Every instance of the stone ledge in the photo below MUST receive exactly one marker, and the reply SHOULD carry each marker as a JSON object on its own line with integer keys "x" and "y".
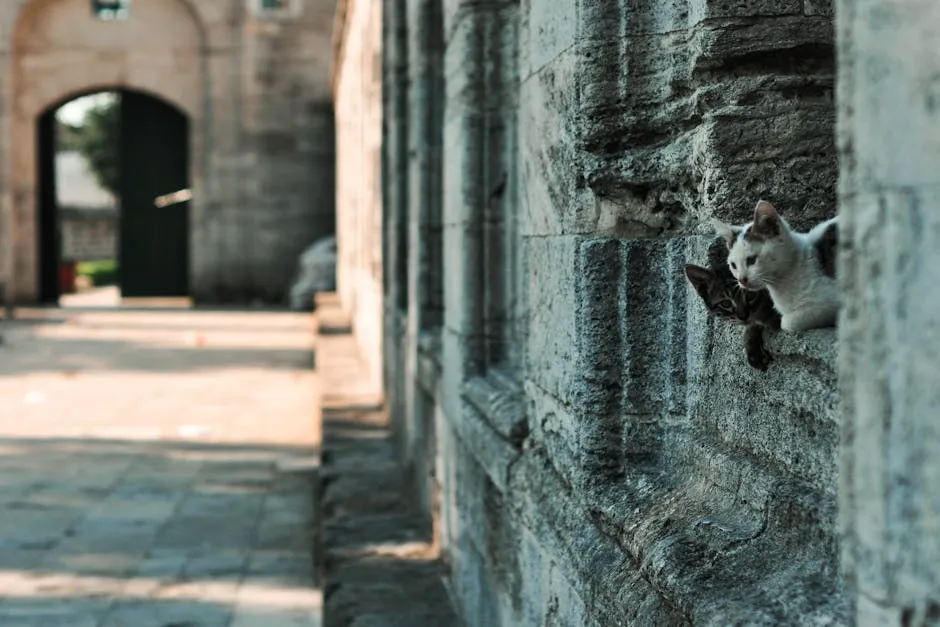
{"x": 500, "y": 400}
{"x": 683, "y": 459}
{"x": 494, "y": 453}
{"x": 693, "y": 554}
{"x": 786, "y": 417}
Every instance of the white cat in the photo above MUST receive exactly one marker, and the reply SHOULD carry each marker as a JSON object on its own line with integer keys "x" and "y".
{"x": 767, "y": 253}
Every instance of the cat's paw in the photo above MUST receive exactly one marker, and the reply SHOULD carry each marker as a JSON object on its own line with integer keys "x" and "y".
{"x": 759, "y": 357}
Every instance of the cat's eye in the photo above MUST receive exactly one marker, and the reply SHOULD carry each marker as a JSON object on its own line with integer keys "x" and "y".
{"x": 734, "y": 266}
{"x": 750, "y": 260}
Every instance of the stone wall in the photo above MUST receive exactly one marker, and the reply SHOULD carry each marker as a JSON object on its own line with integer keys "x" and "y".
{"x": 255, "y": 87}
{"x": 285, "y": 150}
{"x": 593, "y": 447}
{"x": 889, "y": 346}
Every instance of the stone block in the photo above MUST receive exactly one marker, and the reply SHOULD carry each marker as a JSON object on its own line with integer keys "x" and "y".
{"x": 549, "y": 182}
{"x": 889, "y": 396}
{"x": 711, "y": 9}
{"x": 551, "y": 28}
{"x": 555, "y": 428}
{"x": 551, "y": 348}
{"x": 892, "y": 143}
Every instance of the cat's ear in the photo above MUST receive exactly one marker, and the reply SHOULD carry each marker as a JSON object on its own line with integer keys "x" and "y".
{"x": 699, "y": 277}
{"x": 727, "y": 231}
{"x": 767, "y": 222}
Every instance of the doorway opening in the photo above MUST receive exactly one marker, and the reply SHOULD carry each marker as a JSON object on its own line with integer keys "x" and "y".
{"x": 113, "y": 200}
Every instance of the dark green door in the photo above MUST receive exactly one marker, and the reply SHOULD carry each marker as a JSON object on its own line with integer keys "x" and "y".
{"x": 154, "y": 248}
{"x": 49, "y": 239}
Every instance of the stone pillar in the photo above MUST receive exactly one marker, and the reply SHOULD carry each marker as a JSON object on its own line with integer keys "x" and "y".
{"x": 395, "y": 200}
{"x": 479, "y": 184}
{"x": 889, "y": 331}
{"x": 425, "y": 117}
{"x": 358, "y": 105}
{"x": 424, "y": 254}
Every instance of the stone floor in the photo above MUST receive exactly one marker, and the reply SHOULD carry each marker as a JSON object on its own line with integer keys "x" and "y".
{"x": 154, "y": 470}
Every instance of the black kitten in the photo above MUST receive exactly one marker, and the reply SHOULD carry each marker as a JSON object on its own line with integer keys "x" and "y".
{"x": 725, "y": 299}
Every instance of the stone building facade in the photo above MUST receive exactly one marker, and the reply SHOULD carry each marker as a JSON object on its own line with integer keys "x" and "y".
{"x": 253, "y": 79}
{"x": 593, "y": 447}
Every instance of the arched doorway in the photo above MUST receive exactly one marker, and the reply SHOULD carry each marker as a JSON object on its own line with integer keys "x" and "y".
{"x": 60, "y": 50}
{"x": 153, "y": 161}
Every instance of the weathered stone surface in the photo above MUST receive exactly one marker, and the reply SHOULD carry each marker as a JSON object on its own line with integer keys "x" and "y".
{"x": 890, "y": 154}
{"x": 587, "y": 145}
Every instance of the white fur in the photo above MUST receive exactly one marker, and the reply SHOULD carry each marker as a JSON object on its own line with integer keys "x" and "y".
{"x": 787, "y": 266}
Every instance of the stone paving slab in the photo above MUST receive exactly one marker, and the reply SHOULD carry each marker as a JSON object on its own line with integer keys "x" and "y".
{"x": 154, "y": 470}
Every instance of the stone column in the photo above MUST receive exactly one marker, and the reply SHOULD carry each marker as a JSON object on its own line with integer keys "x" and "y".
{"x": 889, "y": 331}
{"x": 425, "y": 118}
{"x": 395, "y": 200}
{"x": 425, "y": 263}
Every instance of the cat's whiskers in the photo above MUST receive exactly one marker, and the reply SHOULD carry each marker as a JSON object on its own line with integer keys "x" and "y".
{"x": 755, "y": 279}
{"x": 760, "y": 280}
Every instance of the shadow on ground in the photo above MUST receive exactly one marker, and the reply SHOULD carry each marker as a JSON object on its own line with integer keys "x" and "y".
{"x": 162, "y": 533}
{"x": 151, "y": 342}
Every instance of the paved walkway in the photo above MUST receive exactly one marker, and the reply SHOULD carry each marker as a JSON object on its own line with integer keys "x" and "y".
{"x": 152, "y": 470}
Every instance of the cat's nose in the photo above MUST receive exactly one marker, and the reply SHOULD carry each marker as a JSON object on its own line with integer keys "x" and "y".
{"x": 743, "y": 281}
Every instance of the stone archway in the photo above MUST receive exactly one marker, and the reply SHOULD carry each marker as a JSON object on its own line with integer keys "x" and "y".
{"x": 59, "y": 49}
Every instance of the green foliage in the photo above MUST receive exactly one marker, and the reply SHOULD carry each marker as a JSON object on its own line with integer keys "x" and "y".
{"x": 67, "y": 136}
{"x": 98, "y": 139}
{"x": 100, "y": 272}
